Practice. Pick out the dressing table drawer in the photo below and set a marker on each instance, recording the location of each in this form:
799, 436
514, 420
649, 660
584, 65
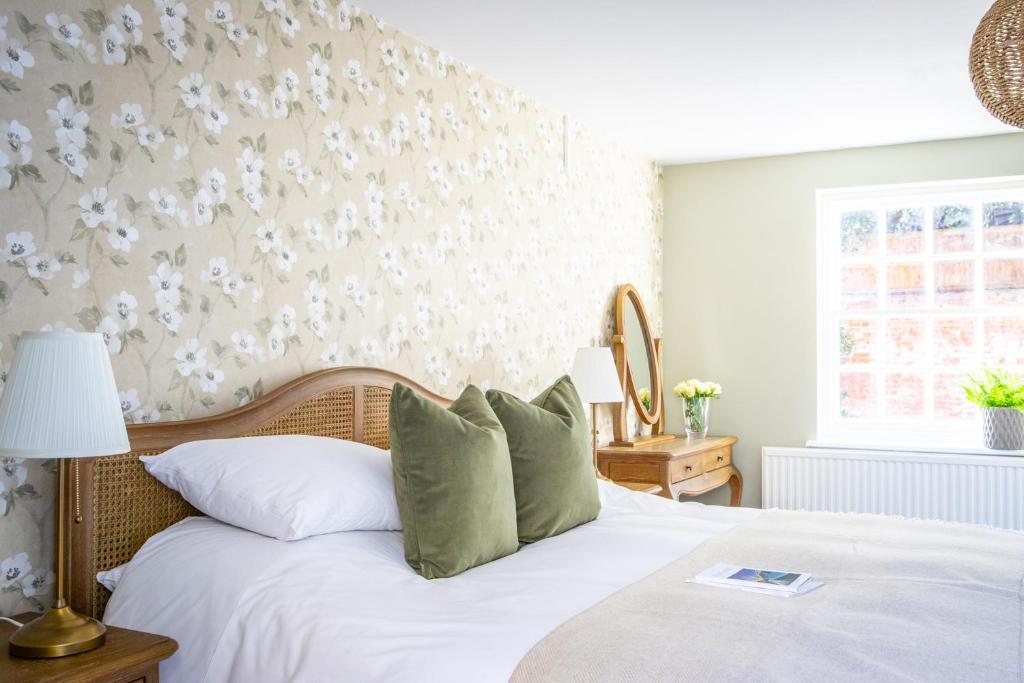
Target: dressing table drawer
632, 471
719, 457
686, 468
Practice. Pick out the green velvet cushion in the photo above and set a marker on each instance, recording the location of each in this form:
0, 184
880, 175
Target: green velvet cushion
453, 481
552, 460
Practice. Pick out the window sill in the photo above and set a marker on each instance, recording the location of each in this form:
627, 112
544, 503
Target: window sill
955, 449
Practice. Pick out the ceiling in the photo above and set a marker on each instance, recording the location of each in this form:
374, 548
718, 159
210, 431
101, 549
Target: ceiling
682, 81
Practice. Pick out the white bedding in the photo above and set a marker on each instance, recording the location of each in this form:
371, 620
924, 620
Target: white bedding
346, 606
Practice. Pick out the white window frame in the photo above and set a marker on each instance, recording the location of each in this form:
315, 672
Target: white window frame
832, 428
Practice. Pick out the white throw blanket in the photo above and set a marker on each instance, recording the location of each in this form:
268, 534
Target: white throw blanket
903, 600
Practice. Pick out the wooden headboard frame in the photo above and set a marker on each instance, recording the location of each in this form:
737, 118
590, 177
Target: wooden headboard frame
121, 505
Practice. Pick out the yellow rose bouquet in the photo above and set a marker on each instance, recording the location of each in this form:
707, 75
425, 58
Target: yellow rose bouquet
697, 395
645, 397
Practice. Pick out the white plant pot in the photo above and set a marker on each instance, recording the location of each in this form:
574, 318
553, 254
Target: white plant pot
1004, 428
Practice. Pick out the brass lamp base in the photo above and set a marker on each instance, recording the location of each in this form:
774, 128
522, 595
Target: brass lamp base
57, 633
593, 440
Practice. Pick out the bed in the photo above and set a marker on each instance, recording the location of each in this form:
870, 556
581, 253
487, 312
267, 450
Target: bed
610, 600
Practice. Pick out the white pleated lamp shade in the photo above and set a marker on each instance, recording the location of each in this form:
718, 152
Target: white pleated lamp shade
60, 399
595, 376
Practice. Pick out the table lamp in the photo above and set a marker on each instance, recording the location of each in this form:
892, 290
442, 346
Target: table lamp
597, 381
60, 401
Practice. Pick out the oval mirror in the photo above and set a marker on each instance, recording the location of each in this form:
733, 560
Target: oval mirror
643, 376
636, 351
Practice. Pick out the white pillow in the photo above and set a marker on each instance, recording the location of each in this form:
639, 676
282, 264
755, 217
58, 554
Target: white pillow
286, 487
111, 577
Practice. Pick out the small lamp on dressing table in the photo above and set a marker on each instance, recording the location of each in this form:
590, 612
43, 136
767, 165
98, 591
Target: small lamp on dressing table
597, 381
60, 402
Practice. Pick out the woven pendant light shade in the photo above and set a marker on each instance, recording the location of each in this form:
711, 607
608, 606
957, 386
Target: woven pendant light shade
997, 61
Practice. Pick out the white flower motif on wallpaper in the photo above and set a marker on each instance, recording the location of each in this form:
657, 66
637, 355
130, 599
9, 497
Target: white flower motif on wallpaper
14, 484
17, 576
235, 193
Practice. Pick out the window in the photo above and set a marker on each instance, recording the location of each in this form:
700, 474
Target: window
918, 286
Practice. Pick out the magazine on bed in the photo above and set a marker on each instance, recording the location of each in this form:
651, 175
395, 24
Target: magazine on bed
767, 581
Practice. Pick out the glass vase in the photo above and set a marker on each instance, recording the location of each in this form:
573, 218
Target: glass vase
696, 411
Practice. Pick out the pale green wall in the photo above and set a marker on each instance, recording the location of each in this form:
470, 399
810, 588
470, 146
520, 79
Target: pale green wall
739, 292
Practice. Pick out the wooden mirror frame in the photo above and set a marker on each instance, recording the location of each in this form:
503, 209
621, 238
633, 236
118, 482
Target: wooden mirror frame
627, 295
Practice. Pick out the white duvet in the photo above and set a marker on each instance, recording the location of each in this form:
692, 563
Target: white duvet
347, 607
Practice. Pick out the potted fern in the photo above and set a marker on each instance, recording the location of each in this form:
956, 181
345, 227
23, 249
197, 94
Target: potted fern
1000, 394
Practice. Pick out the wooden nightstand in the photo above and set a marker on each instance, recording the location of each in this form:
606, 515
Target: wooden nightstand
126, 657
680, 466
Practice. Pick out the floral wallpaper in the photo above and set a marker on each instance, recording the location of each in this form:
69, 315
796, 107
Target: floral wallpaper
238, 192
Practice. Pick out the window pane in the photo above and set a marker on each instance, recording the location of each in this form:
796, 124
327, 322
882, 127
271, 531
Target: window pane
858, 232
954, 284
904, 394
1004, 226
954, 228
858, 395
1004, 282
906, 285
905, 341
954, 341
858, 341
904, 231
1004, 341
950, 403
859, 285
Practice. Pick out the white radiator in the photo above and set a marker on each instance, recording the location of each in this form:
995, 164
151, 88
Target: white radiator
979, 489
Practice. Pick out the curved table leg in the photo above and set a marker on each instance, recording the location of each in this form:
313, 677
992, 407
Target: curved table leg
736, 486
666, 487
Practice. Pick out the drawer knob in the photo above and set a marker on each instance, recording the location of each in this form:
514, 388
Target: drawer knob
689, 468
721, 458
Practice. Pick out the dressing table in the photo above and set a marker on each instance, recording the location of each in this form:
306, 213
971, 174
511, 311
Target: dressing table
657, 462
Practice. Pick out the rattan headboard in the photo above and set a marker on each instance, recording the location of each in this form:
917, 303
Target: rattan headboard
122, 505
